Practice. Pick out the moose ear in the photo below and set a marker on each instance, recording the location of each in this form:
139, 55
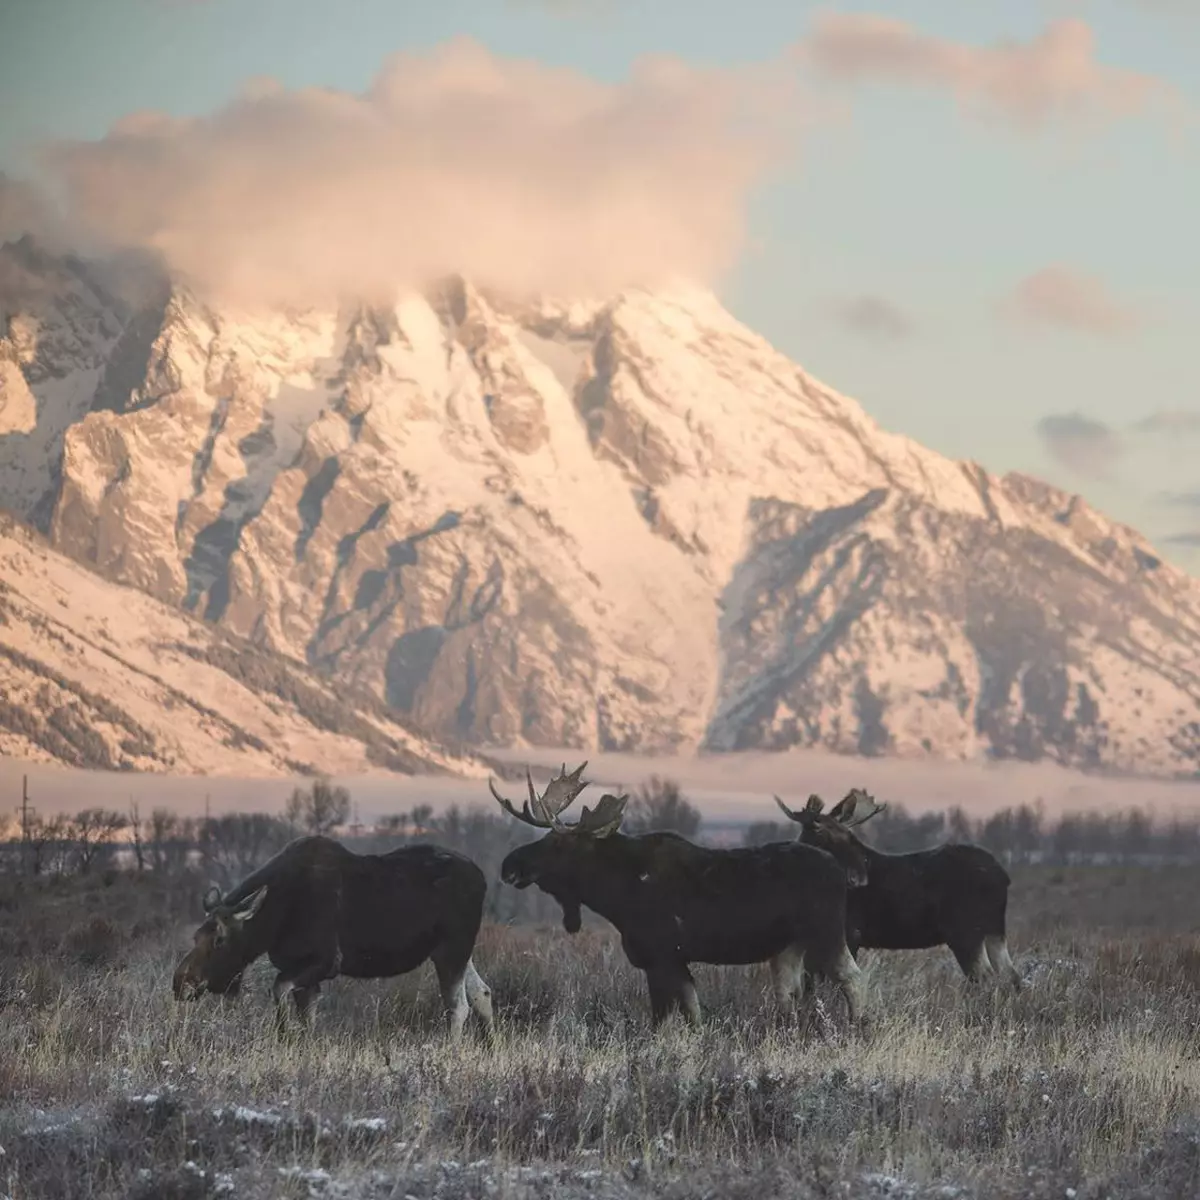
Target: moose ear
250, 906
212, 898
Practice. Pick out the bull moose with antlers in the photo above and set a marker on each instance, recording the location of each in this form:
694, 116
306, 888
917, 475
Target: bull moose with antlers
953, 895
676, 903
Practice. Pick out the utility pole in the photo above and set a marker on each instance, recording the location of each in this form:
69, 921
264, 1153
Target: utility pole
27, 816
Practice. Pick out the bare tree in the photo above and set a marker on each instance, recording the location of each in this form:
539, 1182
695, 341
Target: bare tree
759, 833
320, 808
171, 839
661, 804
45, 843
135, 835
393, 827
1135, 836
233, 845
93, 831
958, 826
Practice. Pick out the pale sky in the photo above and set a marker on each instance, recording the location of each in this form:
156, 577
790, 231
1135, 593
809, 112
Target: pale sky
978, 219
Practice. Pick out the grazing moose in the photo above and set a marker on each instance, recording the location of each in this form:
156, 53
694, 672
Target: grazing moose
952, 895
675, 903
318, 911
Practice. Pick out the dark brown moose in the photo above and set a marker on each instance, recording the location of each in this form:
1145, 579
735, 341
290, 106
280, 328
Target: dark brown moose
953, 895
676, 903
318, 911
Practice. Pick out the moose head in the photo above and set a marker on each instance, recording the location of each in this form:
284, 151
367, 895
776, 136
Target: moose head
833, 831
222, 947
558, 861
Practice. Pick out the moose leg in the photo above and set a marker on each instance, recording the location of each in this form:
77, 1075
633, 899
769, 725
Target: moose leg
303, 985
454, 1000
997, 952
972, 957
664, 994
850, 979
453, 965
305, 1000
788, 976
479, 996
280, 990
689, 1001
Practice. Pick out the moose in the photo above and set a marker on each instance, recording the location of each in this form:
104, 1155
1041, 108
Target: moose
318, 910
953, 895
675, 903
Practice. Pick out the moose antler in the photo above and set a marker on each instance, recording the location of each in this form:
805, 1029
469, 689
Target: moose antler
606, 818
542, 812
811, 809
847, 812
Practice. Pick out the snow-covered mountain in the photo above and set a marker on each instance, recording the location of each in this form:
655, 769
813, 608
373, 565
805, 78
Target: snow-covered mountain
629, 525
100, 676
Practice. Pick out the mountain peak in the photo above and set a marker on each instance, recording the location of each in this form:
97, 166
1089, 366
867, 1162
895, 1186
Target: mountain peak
630, 524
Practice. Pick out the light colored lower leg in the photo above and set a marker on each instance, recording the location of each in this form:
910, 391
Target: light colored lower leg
306, 1006
787, 975
454, 997
981, 966
281, 989
997, 951
853, 984
691, 1002
479, 995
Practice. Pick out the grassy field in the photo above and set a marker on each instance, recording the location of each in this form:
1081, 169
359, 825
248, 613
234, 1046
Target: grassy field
1087, 1084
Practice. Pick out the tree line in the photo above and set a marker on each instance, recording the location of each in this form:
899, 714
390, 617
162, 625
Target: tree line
225, 848
1024, 835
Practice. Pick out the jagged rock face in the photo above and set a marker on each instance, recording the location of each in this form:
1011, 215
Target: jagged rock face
630, 525
100, 676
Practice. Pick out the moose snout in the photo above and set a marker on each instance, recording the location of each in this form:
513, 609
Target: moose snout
514, 876
184, 984
512, 871
186, 988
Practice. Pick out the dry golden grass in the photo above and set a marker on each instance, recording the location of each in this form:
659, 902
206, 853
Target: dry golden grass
1089, 1079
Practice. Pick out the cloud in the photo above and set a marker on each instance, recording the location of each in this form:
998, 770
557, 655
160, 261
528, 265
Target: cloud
1065, 298
1027, 84
1082, 444
1173, 421
1182, 499
874, 317
1189, 538
512, 172
22, 210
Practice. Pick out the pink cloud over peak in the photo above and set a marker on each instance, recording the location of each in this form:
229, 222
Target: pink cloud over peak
1054, 75
509, 171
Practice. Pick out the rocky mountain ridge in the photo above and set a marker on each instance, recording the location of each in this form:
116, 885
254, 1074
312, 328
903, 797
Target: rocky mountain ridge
630, 525
100, 676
